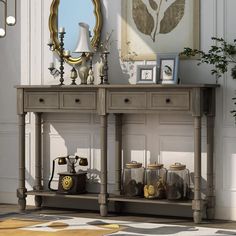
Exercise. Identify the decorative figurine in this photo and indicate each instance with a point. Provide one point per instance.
(90, 79)
(73, 75)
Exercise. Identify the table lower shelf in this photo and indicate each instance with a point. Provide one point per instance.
(92, 196)
(116, 198)
(111, 198)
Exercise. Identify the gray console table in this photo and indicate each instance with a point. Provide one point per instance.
(197, 100)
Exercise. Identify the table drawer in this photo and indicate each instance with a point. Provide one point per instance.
(169, 100)
(78, 100)
(125, 100)
(38, 100)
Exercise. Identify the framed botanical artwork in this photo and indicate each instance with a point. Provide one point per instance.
(167, 68)
(146, 74)
(154, 26)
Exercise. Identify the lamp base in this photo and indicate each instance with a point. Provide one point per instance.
(83, 70)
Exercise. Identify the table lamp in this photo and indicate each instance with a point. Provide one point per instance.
(83, 46)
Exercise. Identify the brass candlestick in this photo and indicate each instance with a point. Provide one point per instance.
(103, 68)
(105, 78)
(62, 60)
(63, 55)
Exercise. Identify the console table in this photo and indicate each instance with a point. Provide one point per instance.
(197, 100)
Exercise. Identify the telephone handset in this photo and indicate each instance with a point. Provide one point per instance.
(71, 182)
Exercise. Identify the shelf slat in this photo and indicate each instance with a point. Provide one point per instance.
(111, 198)
(148, 201)
(92, 196)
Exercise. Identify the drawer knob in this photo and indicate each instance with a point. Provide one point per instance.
(168, 100)
(41, 100)
(77, 100)
(126, 100)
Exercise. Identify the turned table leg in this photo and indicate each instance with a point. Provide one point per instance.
(118, 159)
(197, 202)
(103, 196)
(210, 211)
(118, 152)
(21, 191)
(38, 158)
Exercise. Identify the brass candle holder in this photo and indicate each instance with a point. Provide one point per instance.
(103, 68)
(63, 55)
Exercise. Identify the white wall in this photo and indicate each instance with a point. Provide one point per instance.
(146, 137)
(10, 75)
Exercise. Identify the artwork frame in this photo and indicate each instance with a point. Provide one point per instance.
(146, 74)
(138, 46)
(167, 68)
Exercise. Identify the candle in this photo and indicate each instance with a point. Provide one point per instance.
(67, 53)
(11, 20)
(61, 30)
(51, 65)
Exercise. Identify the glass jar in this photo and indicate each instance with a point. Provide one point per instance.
(133, 179)
(178, 182)
(155, 181)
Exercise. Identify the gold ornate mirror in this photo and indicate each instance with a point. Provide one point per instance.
(68, 13)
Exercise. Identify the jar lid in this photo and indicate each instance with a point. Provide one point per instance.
(133, 164)
(177, 166)
(154, 166)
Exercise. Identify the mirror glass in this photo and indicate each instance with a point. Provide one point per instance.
(70, 13)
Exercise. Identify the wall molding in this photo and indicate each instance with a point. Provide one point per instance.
(228, 152)
(25, 41)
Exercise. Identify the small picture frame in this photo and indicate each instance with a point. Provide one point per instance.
(146, 74)
(167, 68)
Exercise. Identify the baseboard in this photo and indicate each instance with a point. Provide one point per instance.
(226, 213)
(8, 198)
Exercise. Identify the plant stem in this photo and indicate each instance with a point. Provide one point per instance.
(231, 59)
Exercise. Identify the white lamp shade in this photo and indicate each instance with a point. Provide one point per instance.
(84, 44)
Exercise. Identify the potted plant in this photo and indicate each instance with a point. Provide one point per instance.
(220, 56)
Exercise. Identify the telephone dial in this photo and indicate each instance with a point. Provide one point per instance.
(70, 182)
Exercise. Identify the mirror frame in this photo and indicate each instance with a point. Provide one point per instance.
(53, 28)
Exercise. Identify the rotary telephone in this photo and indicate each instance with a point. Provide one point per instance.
(70, 182)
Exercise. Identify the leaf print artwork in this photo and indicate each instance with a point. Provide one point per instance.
(142, 18)
(153, 5)
(149, 22)
(172, 16)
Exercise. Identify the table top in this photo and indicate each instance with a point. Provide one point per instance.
(131, 86)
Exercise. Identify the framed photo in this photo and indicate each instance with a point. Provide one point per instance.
(152, 26)
(167, 68)
(146, 74)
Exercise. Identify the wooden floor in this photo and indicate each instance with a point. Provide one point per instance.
(9, 211)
